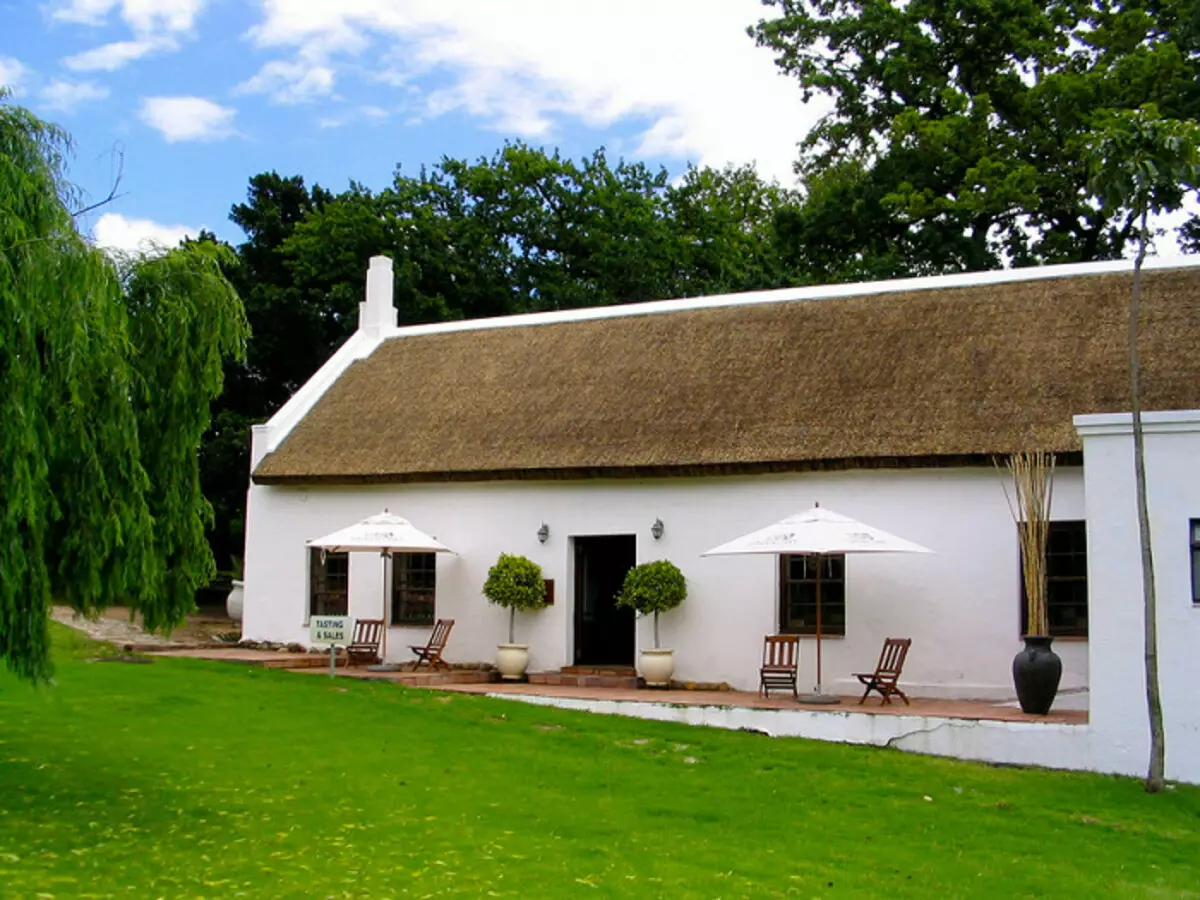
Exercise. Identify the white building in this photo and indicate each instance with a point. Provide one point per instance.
(886, 401)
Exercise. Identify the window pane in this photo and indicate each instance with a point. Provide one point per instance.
(329, 584)
(414, 584)
(1196, 574)
(798, 595)
(1066, 580)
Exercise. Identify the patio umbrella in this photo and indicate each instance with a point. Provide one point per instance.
(817, 532)
(384, 534)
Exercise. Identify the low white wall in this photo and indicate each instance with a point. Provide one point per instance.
(1118, 692)
(1052, 745)
(960, 606)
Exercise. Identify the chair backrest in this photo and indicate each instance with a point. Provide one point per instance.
(781, 651)
(441, 634)
(367, 632)
(891, 658)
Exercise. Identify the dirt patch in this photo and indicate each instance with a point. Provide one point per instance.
(205, 626)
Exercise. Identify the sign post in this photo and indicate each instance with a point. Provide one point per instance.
(331, 630)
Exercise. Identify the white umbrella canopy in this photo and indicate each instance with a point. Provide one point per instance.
(385, 534)
(817, 532)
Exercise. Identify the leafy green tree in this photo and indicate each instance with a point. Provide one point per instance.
(958, 129)
(185, 320)
(95, 499)
(653, 588)
(723, 225)
(1141, 164)
(515, 583)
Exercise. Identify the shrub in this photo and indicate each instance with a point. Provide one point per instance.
(515, 582)
(653, 587)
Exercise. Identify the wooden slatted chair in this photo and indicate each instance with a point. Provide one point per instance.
(431, 653)
(781, 657)
(887, 672)
(364, 643)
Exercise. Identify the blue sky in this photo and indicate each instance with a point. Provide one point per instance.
(199, 95)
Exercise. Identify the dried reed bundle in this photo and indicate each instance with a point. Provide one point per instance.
(1033, 481)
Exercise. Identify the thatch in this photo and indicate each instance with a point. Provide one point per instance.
(950, 374)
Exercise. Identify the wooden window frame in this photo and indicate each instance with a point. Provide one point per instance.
(1054, 581)
(320, 591)
(833, 595)
(409, 600)
(1194, 534)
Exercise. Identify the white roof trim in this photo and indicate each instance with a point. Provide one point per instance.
(265, 438)
(815, 292)
(1156, 422)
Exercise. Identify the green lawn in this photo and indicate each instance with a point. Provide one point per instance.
(193, 779)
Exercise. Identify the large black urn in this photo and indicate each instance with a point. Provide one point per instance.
(1036, 673)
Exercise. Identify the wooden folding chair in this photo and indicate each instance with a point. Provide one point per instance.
(887, 672)
(431, 653)
(781, 656)
(364, 643)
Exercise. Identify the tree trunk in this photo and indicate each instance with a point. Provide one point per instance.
(1158, 750)
(512, 623)
(656, 629)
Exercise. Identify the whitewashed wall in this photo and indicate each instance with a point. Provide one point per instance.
(960, 606)
(1118, 694)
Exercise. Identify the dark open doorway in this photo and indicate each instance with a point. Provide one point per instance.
(603, 632)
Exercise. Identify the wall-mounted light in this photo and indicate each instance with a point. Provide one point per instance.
(543, 533)
(657, 529)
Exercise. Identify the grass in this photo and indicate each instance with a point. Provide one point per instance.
(193, 779)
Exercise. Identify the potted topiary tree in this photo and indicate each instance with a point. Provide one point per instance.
(1037, 669)
(515, 583)
(654, 587)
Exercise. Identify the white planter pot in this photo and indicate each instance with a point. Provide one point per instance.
(657, 667)
(233, 603)
(512, 660)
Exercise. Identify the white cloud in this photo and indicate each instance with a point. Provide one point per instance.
(685, 68)
(188, 118)
(371, 114)
(110, 57)
(65, 96)
(156, 25)
(12, 73)
(143, 16)
(116, 232)
(85, 12)
(290, 82)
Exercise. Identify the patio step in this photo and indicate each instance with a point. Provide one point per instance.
(619, 671)
(454, 676)
(565, 678)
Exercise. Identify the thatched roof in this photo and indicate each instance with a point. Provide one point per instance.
(925, 376)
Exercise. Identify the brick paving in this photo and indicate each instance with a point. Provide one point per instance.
(951, 709)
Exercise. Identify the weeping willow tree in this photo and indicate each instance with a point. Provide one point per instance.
(107, 370)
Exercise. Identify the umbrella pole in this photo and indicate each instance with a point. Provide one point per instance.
(383, 637)
(816, 696)
(819, 561)
(384, 665)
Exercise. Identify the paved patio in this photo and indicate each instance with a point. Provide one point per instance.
(979, 710)
(269, 659)
(475, 681)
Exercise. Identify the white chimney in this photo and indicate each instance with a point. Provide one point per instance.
(378, 312)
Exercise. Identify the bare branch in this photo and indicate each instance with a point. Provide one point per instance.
(112, 194)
